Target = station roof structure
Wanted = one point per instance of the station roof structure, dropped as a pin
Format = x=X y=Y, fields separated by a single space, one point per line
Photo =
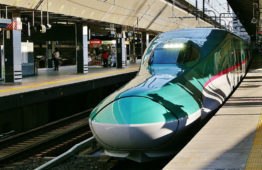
x=244 y=11
x=153 y=15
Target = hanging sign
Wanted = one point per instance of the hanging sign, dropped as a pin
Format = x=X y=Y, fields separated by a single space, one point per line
x=16 y=24
x=95 y=42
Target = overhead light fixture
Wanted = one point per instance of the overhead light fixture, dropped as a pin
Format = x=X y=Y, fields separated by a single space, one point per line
x=254 y=20
x=42 y=26
x=43 y=29
x=48 y=26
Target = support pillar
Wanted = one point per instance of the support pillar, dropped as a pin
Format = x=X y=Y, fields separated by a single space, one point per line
x=49 y=54
x=131 y=45
x=143 y=45
x=82 y=48
x=13 y=56
x=119 y=48
x=123 y=46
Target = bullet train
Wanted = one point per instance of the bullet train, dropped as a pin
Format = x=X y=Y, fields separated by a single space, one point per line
x=184 y=76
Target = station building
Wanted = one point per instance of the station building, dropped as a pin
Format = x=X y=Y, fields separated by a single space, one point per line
x=31 y=30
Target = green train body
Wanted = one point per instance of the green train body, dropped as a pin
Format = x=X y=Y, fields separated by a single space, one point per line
x=184 y=75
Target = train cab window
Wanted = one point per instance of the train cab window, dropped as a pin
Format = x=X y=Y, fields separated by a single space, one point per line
x=174 y=53
x=192 y=54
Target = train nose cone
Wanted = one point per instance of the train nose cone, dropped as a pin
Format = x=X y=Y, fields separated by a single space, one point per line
x=133 y=123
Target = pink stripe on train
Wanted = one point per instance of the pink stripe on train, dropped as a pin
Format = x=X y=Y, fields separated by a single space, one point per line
x=224 y=72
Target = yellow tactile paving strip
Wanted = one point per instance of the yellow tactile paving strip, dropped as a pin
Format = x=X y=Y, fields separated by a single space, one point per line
x=255 y=157
x=69 y=79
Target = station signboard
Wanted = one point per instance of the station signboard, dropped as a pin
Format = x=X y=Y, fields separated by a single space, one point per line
x=95 y=43
x=16 y=24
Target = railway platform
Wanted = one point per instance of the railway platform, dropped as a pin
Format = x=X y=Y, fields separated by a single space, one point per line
x=232 y=138
x=47 y=78
x=51 y=95
x=49 y=84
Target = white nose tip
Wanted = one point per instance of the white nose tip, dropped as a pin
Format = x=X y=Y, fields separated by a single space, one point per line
x=134 y=136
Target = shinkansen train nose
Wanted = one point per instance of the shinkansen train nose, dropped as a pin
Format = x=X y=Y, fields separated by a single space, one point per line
x=133 y=123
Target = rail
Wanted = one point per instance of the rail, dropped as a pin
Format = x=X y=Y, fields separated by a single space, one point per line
x=74 y=150
x=39 y=139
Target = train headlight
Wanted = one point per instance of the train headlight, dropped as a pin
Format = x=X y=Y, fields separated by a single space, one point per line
x=174 y=45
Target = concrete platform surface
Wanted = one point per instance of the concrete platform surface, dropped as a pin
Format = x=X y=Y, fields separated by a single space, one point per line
x=47 y=78
x=232 y=139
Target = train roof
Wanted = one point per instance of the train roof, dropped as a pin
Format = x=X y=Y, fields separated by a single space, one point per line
x=198 y=35
x=206 y=38
x=195 y=33
x=192 y=33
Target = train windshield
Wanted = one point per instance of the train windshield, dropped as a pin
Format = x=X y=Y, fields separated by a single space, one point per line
x=174 y=53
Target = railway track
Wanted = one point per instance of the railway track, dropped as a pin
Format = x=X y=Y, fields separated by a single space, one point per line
x=48 y=140
x=88 y=155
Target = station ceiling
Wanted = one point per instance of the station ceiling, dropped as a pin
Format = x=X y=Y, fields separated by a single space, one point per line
x=153 y=15
x=244 y=11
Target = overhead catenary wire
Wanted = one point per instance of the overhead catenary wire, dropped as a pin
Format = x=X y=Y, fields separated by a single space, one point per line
x=217 y=6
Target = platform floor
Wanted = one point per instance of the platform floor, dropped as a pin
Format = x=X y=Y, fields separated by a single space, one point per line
x=232 y=139
x=47 y=78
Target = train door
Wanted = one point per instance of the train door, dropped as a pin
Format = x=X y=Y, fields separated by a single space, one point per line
x=224 y=84
x=230 y=75
x=235 y=62
x=244 y=58
x=239 y=68
x=220 y=86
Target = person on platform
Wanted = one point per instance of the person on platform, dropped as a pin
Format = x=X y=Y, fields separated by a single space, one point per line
x=56 y=57
x=105 y=58
x=113 y=60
